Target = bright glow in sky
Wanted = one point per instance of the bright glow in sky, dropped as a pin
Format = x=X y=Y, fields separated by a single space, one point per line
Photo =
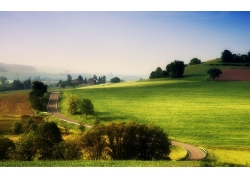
x=128 y=43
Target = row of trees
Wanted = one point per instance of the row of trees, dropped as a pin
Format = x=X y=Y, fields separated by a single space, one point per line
x=174 y=69
x=80 y=80
x=80 y=106
x=117 y=141
x=15 y=85
x=228 y=56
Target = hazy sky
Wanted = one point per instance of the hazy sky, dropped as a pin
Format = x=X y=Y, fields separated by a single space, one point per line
x=128 y=43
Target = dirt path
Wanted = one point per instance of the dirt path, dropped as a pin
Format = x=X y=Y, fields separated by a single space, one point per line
x=52 y=109
x=194 y=153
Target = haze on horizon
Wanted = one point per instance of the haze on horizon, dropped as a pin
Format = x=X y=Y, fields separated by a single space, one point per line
x=128 y=43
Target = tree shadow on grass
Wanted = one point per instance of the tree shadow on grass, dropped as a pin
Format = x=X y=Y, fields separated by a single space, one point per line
x=107 y=116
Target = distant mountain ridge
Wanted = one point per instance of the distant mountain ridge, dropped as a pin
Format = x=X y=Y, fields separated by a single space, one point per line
x=16 y=68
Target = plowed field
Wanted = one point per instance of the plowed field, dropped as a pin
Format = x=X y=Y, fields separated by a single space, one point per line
x=235 y=75
x=15 y=104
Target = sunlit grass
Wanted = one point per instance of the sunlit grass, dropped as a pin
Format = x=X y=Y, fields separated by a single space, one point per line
x=231 y=155
x=204 y=113
x=177 y=153
x=85 y=163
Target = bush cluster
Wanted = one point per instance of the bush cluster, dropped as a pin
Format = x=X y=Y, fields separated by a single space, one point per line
x=116 y=141
x=126 y=141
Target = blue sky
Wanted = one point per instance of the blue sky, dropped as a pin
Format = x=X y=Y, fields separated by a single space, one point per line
x=128 y=43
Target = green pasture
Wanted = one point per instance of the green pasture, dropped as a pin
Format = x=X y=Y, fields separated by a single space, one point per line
x=191 y=109
x=101 y=163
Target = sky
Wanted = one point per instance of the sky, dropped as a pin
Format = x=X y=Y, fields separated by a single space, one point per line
x=119 y=42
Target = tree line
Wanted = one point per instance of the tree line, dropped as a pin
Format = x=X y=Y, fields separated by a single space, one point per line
x=115 y=141
x=174 y=69
x=80 y=80
x=228 y=56
x=15 y=85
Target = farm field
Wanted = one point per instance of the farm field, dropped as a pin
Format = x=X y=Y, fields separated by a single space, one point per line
x=210 y=114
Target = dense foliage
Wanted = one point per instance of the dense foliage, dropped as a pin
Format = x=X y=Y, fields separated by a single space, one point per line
x=6 y=145
x=115 y=80
x=15 y=85
x=158 y=73
x=176 y=69
x=124 y=141
x=36 y=95
x=228 y=56
x=194 y=61
x=77 y=105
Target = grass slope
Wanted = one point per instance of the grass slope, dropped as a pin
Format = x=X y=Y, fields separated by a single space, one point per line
x=192 y=109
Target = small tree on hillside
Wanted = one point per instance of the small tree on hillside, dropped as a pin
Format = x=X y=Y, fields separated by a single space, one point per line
x=73 y=103
x=86 y=107
x=195 y=61
x=214 y=72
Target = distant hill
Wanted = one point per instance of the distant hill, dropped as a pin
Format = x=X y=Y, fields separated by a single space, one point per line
x=16 y=68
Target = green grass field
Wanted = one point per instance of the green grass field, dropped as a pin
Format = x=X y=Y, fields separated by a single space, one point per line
x=210 y=114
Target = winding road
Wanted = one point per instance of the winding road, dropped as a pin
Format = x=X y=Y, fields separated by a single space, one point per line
x=194 y=152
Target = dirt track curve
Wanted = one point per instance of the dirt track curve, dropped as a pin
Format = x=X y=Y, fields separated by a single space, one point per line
x=52 y=109
x=194 y=153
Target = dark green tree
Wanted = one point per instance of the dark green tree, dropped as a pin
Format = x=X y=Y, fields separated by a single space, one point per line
x=36 y=95
x=6 y=147
x=80 y=79
x=152 y=75
x=3 y=80
x=176 y=69
x=86 y=107
x=214 y=72
x=115 y=80
x=227 y=56
x=50 y=135
x=195 y=61
x=69 y=78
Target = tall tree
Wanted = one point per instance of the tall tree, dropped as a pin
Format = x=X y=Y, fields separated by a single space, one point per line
x=176 y=69
x=50 y=135
x=227 y=56
x=80 y=79
x=73 y=103
x=86 y=107
x=69 y=78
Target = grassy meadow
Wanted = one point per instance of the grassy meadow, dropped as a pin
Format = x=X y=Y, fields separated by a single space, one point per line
x=210 y=114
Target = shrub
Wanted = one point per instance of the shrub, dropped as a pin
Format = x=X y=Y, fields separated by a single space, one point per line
x=16 y=127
